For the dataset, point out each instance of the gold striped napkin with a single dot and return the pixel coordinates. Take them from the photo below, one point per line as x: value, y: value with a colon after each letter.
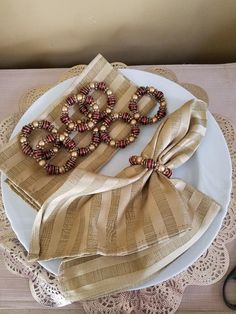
x: 27, y: 178
x: 96, y: 214
x: 114, y: 232
x: 160, y: 201
x: 95, y: 276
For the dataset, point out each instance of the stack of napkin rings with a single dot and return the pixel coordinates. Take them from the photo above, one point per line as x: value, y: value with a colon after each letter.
x: 89, y: 108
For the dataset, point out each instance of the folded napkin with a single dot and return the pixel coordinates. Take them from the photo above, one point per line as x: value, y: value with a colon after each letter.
x: 25, y: 176
x: 95, y: 276
x: 146, y: 226
x: 139, y: 220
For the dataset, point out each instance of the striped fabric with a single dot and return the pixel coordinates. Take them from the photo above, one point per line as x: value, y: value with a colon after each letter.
x: 114, y: 232
x: 95, y: 276
x: 27, y: 178
x: 97, y: 214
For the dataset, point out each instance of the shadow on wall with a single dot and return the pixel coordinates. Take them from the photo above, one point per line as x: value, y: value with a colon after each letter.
x: 162, y: 32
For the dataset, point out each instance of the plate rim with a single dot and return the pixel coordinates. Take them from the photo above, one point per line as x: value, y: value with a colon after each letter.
x: 123, y: 72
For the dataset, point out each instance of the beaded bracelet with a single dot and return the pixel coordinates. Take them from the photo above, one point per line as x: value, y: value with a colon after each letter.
x: 97, y: 86
x: 95, y: 141
x: 79, y: 125
x: 121, y: 143
x: 64, y: 141
x: 70, y: 145
x: 90, y: 109
x: 53, y: 169
x: 39, y: 152
x: 150, y: 164
x: 87, y: 106
x: 154, y: 93
x: 57, y: 139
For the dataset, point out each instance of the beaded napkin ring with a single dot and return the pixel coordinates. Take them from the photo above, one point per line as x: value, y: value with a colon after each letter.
x: 79, y: 125
x: 121, y: 143
x: 97, y: 86
x: 150, y: 164
x: 89, y: 107
x: 39, y: 152
x: 154, y: 93
x: 70, y: 163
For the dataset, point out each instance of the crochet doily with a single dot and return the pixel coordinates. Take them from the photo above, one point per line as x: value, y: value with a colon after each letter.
x: 162, y: 298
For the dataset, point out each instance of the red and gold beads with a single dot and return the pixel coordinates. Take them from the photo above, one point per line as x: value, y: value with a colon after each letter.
x: 89, y: 106
x: 154, y: 93
x: 150, y: 164
x: 67, y: 166
x: 79, y: 125
x: 39, y: 152
x: 97, y: 121
x: 120, y: 143
x: 95, y: 141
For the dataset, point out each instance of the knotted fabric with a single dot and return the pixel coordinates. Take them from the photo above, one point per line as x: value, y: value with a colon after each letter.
x: 139, y: 220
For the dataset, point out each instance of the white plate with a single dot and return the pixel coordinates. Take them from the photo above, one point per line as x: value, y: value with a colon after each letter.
x: 209, y: 170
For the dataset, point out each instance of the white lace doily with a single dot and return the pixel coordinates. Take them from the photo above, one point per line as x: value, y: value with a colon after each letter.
x: 162, y: 298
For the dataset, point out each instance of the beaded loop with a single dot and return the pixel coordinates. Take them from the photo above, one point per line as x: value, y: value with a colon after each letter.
x: 95, y: 113
x: 150, y: 164
x: 154, y: 93
x: 95, y: 141
x: 121, y: 143
x: 79, y: 125
x: 69, y: 144
x: 53, y: 169
x: 88, y: 107
x: 58, y: 140
x: 39, y: 152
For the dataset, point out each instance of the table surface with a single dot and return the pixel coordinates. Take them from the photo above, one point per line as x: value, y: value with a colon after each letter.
x: 220, y: 83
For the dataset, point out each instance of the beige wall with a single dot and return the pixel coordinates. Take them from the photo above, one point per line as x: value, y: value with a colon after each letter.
x: 59, y: 33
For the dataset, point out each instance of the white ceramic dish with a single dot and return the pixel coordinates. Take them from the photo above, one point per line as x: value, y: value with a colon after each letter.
x: 209, y: 169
